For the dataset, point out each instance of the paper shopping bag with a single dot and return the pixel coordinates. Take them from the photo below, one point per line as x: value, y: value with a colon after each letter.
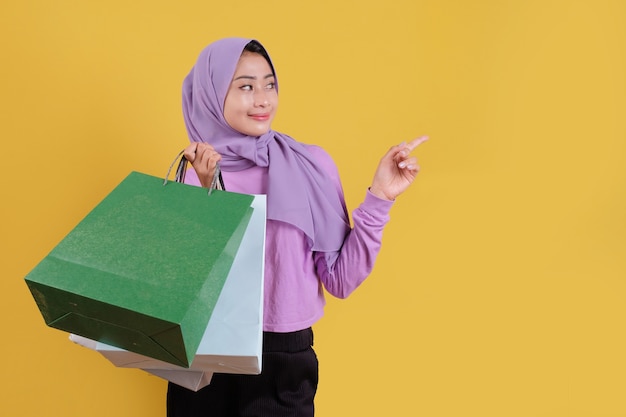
x: 144, y: 269
x: 232, y: 342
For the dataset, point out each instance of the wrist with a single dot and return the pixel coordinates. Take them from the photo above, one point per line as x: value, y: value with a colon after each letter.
x: 380, y: 194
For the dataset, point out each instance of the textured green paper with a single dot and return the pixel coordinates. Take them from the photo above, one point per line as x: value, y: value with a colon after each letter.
x: 144, y: 269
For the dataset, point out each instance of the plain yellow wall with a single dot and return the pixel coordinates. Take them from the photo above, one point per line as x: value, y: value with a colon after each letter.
x: 501, y: 285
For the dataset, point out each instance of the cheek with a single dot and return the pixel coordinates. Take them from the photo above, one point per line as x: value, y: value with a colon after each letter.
x: 274, y: 102
x: 233, y: 106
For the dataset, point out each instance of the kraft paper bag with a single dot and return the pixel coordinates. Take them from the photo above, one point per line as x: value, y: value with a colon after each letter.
x: 232, y: 342
x: 144, y: 269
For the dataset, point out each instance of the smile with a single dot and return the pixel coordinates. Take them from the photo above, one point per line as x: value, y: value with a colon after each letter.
x: 260, y: 117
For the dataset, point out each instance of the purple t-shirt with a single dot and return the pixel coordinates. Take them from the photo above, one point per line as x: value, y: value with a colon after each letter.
x: 295, y: 277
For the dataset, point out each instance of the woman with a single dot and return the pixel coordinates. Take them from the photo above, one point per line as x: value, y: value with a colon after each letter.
x: 230, y: 98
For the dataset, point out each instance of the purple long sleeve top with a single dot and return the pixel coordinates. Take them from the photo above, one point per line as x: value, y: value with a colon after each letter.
x: 295, y: 277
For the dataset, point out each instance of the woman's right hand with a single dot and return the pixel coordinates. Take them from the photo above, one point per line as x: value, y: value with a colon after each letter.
x: 203, y: 158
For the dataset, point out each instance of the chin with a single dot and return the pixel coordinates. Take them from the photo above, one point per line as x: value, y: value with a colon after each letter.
x: 256, y: 132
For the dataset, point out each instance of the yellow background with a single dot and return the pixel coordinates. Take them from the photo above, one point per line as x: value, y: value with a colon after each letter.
x: 501, y: 287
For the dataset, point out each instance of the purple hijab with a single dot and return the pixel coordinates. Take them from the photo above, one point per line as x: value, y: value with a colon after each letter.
x: 299, y: 192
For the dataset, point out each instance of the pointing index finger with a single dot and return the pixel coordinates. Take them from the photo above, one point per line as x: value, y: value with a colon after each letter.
x: 416, y: 142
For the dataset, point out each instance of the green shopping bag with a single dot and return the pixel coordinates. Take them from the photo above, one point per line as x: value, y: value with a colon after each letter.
x: 144, y: 269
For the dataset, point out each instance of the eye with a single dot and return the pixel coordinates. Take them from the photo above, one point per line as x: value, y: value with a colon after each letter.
x: 246, y: 87
x: 271, y: 86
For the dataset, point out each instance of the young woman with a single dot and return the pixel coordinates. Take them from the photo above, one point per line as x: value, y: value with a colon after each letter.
x: 230, y: 98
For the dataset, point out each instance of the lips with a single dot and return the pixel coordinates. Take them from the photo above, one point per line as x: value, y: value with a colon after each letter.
x: 260, y: 117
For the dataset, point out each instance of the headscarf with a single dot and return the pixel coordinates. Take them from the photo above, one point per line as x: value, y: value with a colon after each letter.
x: 299, y: 192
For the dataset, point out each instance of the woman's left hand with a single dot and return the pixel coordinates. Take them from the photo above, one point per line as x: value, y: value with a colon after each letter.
x: 396, y: 170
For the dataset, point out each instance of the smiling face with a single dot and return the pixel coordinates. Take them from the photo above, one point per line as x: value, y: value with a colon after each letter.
x: 252, y: 99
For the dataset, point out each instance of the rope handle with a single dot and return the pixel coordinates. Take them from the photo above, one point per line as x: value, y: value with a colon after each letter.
x: 216, y: 184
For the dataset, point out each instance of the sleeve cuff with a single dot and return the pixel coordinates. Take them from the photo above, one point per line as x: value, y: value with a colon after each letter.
x: 376, y: 206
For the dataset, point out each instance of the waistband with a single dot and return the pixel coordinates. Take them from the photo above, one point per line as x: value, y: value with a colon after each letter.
x: 288, y: 342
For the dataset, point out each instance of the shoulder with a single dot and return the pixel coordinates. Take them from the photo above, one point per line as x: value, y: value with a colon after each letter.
x: 325, y: 162
x: 321, y: 157
x: 316, y: 150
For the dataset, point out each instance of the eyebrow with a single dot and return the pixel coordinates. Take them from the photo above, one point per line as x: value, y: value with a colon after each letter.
x: 250, y: 77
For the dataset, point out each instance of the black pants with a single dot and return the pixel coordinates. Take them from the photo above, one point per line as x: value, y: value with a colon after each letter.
x: 285, y: 388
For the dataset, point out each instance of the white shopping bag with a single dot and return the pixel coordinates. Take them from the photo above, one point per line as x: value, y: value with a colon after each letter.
x: 232, y: 342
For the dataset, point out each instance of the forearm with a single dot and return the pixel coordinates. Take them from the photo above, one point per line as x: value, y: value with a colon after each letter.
x: 343, y: 271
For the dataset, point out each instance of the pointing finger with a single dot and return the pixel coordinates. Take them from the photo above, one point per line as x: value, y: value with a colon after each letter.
x: 416, y: 142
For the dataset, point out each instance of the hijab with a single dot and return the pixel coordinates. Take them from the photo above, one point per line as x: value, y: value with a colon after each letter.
x: 299, y: 192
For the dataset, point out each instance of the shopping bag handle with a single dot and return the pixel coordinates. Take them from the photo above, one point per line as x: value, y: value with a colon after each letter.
x: 181, y: 170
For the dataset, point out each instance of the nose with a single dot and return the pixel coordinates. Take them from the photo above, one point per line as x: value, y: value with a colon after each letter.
x: 261, y: 98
